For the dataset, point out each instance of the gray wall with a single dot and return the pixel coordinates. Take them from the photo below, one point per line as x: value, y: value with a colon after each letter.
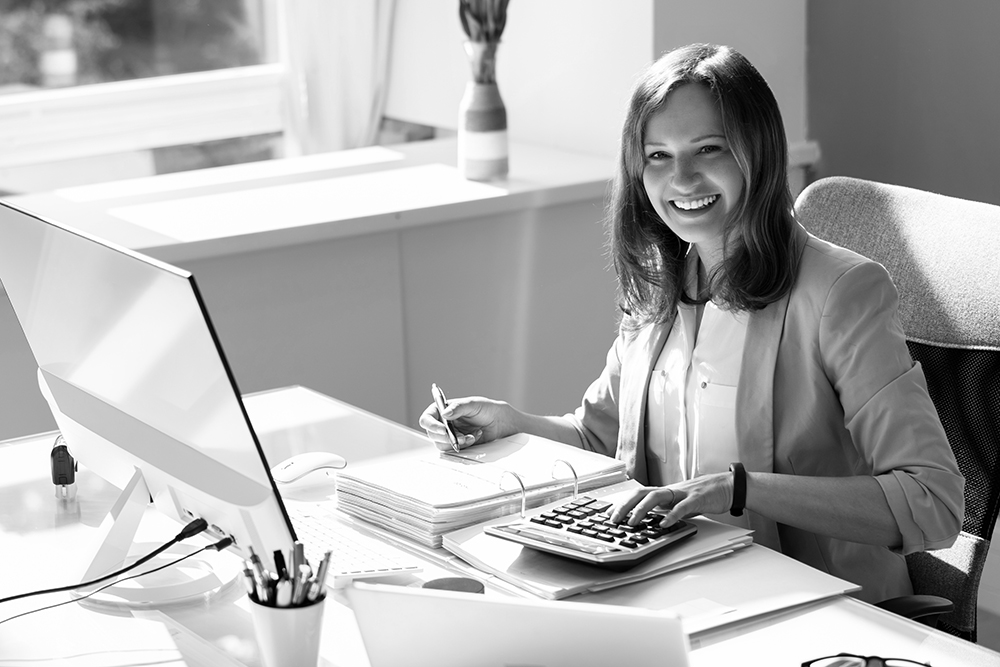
x: 907, y: 92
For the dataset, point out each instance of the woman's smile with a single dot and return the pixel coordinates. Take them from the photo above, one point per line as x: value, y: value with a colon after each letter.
x: 695, y: 205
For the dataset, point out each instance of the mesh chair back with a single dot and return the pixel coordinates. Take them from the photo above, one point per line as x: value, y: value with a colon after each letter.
x: 944, y: 256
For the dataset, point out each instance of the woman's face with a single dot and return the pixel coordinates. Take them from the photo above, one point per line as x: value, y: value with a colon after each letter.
x: 690, y: 174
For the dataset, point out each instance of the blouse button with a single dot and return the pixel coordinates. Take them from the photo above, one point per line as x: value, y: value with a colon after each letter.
x: 704, y: 384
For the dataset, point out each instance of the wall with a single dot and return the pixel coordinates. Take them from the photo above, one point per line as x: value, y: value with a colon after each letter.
x: 563, y: 68
x: 770, y: 33
x: 907, y: 92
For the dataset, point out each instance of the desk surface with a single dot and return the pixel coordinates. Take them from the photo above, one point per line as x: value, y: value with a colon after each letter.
x: 47, y: 542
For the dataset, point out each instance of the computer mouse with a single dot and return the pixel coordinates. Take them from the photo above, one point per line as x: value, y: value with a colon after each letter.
x: 298, y: 466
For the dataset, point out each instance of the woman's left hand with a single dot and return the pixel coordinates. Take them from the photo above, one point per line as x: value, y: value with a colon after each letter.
x: 708, y: 494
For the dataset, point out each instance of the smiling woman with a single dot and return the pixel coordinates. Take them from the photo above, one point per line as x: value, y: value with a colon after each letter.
x: 760, y: 376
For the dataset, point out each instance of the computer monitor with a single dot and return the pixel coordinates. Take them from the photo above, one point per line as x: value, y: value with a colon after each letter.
x: 137, y: 380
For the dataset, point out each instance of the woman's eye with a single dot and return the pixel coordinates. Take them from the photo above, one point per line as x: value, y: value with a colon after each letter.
x: 711, y: 149
x: 657, y: 155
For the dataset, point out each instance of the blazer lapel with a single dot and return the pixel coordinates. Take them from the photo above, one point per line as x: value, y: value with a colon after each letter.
x: 755, y: 396
x: 637, y: 365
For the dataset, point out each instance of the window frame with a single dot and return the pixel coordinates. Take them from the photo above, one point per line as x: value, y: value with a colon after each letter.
x: 124, y: 116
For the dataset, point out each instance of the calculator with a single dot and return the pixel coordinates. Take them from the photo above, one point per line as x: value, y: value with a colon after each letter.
x: 582, y: 529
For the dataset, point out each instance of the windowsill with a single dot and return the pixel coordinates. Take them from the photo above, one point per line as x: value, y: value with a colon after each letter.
x: 261, y: 205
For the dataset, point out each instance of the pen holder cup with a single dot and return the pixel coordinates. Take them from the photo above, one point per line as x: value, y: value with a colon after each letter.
x: 288, y: 636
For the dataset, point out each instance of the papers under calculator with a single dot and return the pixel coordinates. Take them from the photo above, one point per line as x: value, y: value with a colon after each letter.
x: 554, y: 577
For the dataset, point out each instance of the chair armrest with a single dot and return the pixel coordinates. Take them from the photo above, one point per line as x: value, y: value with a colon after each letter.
x: 924, y: 608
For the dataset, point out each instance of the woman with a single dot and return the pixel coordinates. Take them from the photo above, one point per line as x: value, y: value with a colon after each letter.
x: 744, y: 339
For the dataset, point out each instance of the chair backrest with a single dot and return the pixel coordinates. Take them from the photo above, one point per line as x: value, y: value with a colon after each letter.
x: 943, y: 254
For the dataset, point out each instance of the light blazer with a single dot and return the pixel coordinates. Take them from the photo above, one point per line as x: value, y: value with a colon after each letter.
x: 827, y: 388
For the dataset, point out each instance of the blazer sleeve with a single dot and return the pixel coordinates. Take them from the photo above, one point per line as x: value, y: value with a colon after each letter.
x: 888, y: 410
x: 596, y: 420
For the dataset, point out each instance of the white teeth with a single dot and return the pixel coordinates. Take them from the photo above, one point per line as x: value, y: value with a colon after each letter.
x: 696, y: 204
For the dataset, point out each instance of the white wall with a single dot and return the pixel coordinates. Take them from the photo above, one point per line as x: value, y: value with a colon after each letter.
x: 565, y: 66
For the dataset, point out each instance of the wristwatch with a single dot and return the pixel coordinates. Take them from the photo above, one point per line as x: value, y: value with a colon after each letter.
x: 739, y: 488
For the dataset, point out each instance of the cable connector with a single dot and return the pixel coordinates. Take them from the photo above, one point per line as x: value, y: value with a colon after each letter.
x: 224, y: 543
x: 63, y: 468
x: 192, y: 529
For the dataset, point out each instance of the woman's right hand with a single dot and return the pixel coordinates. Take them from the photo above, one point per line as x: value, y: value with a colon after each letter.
x: 474, y: 419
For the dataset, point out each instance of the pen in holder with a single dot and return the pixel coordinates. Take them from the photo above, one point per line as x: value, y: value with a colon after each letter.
x: 524, y: 492
x: 287, y: 607
x: 572, y: 470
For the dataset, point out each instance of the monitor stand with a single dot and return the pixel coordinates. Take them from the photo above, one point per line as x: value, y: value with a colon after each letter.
x: 195, y: 580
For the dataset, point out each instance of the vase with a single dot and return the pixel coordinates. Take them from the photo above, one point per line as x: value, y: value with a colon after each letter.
x: 482, y: 118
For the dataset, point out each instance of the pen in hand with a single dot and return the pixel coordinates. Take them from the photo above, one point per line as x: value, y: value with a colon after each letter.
x: 442, y: 403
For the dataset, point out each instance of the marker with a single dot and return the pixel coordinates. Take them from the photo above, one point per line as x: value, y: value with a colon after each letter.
x: 249, y: 583
x: 279, y: 564
x: 283, y: 598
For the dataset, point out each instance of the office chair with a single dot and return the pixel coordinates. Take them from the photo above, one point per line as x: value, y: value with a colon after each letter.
x: 944, y: 256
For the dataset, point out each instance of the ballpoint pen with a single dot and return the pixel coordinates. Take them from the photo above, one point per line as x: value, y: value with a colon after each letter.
x: 319, y: 580
x: 260, y: 576
x: 442, y: 403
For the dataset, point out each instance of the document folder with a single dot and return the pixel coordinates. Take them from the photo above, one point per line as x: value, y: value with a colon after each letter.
x: 423, y: 495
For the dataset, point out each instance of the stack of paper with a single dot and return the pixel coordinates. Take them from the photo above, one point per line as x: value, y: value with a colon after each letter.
x: 426, y: 494
x: 554, y: 577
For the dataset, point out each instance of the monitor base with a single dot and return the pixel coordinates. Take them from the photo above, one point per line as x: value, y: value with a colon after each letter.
x: 194, y: 581
x: 191, y: 581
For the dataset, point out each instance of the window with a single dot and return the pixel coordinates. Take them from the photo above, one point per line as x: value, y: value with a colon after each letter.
x: 96, y: 89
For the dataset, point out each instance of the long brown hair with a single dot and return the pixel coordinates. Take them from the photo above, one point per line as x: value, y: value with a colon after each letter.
x: 759, y: 264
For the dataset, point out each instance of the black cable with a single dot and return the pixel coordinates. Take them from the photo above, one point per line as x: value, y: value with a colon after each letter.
x: 193, y: 528
x: 218, y: 546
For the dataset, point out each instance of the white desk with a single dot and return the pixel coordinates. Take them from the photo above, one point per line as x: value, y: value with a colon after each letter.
x: 46, y: 542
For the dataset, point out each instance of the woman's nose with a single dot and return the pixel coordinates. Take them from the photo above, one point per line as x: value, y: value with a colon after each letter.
x: 685, y: 173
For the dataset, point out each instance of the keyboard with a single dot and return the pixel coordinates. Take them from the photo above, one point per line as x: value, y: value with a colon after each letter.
x: 582, y: 529
x: 354, y: 555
